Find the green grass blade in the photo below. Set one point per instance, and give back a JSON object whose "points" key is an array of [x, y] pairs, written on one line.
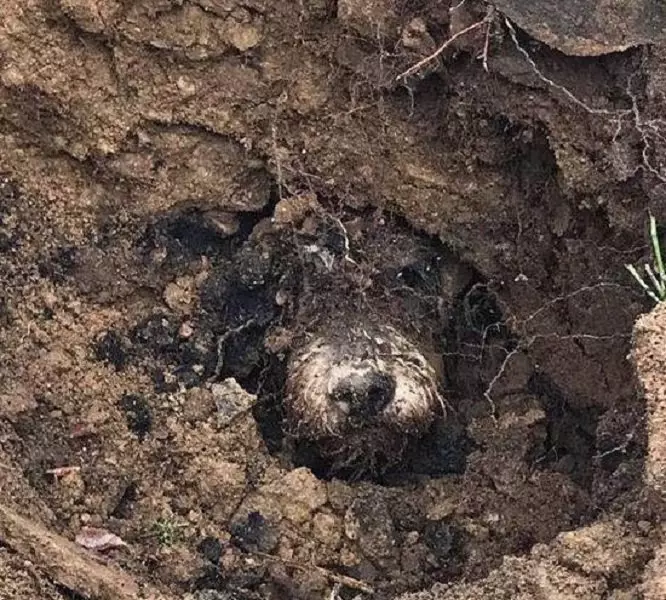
{"points": [[656, 249], [641, 282], [657, 285]]}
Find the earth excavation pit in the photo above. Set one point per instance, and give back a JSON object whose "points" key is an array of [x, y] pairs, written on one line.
{"points": [[326, 299]]}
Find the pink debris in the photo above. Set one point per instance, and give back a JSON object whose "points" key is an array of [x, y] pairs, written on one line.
{"points": [[62, 471], [94, 538], [81, 430]]}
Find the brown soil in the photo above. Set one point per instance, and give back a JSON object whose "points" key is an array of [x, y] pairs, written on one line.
{"points": [[190, 187]]}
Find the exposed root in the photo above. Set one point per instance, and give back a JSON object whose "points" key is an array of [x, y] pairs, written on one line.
{"points": [[339, 580], [431, 57]]}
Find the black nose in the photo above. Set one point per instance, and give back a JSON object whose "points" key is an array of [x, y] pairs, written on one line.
{"points": [[366, 396]]}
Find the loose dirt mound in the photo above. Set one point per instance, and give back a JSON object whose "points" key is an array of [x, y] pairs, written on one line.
{"points": [[190, 187]]}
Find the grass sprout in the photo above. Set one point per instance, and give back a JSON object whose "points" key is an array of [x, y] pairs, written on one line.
{"points": [[653, 283]]}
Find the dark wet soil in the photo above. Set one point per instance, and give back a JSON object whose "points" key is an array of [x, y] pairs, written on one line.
{"points": [[190, 189]]}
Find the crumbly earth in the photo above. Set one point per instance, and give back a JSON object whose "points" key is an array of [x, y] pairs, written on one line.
{"points": [[187, 186]]}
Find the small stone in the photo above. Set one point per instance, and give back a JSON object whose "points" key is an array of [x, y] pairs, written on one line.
{"points": [[186, 330], [231, 400], [243, 36], [186, 86], [49, 299], [179, 295]]}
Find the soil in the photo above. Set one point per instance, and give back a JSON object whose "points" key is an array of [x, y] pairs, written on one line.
{"points": [[190, 188]]}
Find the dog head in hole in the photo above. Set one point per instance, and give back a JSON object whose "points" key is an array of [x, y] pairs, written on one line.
{"points": [[363, 302]]}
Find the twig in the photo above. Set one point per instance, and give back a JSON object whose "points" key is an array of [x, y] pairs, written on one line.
{"points": [[345, 235], [58, 472], [457, 6], [278, 162], [486, 45], [349, 582], [67, 564], [335, 592], [414, 68]]}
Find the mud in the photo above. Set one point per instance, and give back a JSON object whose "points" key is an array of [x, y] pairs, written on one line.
{"points": [[190, 189]]}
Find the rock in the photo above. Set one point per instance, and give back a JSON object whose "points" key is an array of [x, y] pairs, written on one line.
{"points": [[589, 27], [231, 400], [283, 510]]}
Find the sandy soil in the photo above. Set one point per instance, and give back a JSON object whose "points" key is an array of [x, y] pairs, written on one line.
{"points": [[188, 187]]}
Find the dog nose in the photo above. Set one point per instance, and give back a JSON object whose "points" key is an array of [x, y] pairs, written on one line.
{"points": [[365, 397]]}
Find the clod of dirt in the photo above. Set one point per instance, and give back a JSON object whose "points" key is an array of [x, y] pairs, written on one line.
{"points": [[111, 347], [368, 522], [138, 414], [211, 549], [254, 534], [588, 27], [586, 563], [613, 550], [654, 584], [440, 536], [649, 354], [15, 399], [179, 295], [370, 17]]}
